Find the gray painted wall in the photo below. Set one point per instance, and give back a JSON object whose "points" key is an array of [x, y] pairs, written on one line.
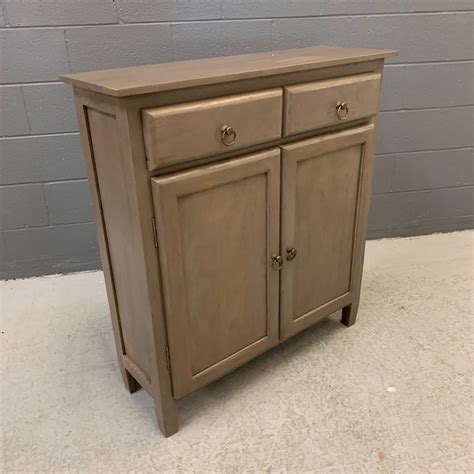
{"points": [[424, 167]]}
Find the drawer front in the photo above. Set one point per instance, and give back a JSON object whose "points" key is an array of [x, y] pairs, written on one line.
{"points": [[178, 133], [324, 103]]}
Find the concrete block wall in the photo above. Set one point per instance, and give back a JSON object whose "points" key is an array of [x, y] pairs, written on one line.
{"points": [[424, 167]]}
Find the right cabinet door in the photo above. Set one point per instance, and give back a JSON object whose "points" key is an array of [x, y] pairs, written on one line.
{"points": [[325, 197]]}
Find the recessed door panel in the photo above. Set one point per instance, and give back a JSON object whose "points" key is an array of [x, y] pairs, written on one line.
{"points": [[321, 195], [218, 227]]}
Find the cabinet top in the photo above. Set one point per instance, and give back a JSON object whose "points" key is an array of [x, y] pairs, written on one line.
{"points": [[178, 75]]}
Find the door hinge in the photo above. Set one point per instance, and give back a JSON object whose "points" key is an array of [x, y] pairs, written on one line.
{"points": [[155, 234], [168, 362]]}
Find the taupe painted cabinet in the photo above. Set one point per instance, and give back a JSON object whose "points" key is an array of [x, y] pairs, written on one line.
{"points": [[231, 199]]}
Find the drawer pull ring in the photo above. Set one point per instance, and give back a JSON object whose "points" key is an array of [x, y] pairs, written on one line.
{"points": [[277, 262], [228, 135], [342, 110], [290, 253]]}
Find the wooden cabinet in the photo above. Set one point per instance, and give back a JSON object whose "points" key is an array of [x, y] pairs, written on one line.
{"points": [[231, 199]]}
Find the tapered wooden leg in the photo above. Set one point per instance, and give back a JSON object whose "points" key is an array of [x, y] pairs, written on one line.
{"points": [[349, 314]]}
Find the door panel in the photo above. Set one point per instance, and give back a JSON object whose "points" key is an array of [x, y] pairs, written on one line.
{"points": [[323, 181], [221, 294]]}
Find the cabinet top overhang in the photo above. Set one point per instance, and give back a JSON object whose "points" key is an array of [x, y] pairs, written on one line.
{"points": [[198, 72]]}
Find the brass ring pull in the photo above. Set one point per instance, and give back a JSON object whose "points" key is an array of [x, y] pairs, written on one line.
{"points": [[228, 135], [342, 110], [277, 262]]}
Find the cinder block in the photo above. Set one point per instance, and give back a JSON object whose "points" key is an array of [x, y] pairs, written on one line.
{"points": [[4, 258], [417, 86], [30, 55], [106, 47], [168, 10], [68, 202], [210, 39], [13, 120], [355, 7], [419, 130], [423, 37], [433, 169], [54, 249], [50, 108], [22, 206], [421, 212], [304, 32], [270, 8], [383, 173], [301, 8], [423, 170], [59, 12], [2, 17], [43, 158]]}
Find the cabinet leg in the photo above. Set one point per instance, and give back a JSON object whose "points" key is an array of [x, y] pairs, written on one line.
{"points": [[167, 416], [130, 383], [349, 314]]}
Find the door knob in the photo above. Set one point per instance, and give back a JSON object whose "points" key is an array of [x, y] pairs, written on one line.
{"points": [[290, 253], [277, 262]]}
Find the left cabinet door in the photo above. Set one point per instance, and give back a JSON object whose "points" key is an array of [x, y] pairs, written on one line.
{"points": [[218, 227]]}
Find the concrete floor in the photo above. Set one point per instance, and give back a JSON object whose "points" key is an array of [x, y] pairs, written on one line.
{"points": [[392, 393]]}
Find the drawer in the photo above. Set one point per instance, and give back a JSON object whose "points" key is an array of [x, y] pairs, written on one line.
{"points": [[323, 103], [178, 133]]}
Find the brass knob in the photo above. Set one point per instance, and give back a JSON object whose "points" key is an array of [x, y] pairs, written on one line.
{"points": [[228, 135], [342, 110], [290, 254], [277, 262]]}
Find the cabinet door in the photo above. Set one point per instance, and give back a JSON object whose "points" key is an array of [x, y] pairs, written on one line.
{"points": [[218, 227], [325, 196]]}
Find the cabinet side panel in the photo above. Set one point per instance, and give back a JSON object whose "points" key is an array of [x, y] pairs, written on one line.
{"points": [[129, 381], [119, 231]]}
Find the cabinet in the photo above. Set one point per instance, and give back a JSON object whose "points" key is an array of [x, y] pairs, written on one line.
{"points": [[231, 198]]}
